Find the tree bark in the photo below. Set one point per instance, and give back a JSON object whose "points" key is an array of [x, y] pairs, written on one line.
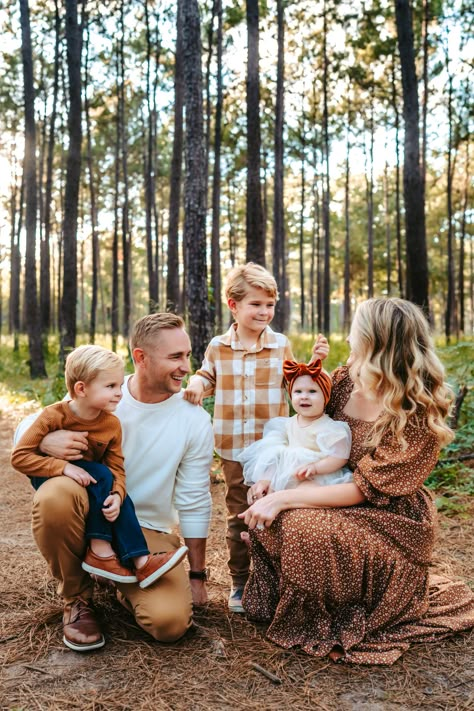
{"points": [[417, 262], [172, 278], [150, 171], [195, 185], [73, 174], [45, 256], [279, 239], [216, 310], [255, 251], [37, 368], [327, 183]]}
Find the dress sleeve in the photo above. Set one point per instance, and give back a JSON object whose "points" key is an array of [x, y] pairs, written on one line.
{"points": [[335, 440], [113, 458], [390, 471]]}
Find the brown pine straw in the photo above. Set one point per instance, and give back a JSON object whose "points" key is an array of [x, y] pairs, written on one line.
{"points": [[213, 667]]}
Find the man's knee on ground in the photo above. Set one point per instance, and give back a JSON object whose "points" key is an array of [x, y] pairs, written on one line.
{"points": [[164, 625]]}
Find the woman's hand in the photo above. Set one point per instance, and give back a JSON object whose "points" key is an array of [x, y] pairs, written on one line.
{"points": [[256, 491], [263, 511]]}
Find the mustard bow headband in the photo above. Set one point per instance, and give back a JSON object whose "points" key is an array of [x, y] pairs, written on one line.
{"points": [[293, 370]]}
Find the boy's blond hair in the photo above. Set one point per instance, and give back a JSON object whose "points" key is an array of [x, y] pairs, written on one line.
{"points": [[249, 276], [147, 328], [84, 364]]}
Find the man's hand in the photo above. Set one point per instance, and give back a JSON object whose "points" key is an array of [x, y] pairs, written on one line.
{"points": [[320, 348], [194, 391], [111, 508], [64, 444], [82, 477], [199, 592]]}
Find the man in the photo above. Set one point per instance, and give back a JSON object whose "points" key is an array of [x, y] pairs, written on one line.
{"points": [[168, 446]]}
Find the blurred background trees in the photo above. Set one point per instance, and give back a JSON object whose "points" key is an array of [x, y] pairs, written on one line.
{"points": [[147, 146]]}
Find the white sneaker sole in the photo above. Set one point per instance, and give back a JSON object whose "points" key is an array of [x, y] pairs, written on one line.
{"points": [[84, 647], [109, 576], [172, 563]]}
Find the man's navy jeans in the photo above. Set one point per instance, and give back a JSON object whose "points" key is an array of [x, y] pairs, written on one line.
{"points": [[124, 533]]}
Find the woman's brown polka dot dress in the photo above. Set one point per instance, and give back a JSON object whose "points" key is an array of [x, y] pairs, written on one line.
{"points": [[356, 578]]}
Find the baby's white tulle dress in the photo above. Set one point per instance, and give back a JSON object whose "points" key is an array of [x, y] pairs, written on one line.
{"points": [[285, 446]]}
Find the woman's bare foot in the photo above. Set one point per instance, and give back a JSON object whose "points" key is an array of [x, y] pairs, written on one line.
{"points": [[244, 536]]}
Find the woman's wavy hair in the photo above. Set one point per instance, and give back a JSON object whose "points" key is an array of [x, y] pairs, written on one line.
{"points": [[394, 355]]}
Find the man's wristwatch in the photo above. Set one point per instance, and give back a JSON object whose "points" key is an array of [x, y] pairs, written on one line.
{"points": [[198, 574]]}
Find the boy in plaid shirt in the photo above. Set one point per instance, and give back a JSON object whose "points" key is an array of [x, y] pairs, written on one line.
{"points": [[243, 369]]}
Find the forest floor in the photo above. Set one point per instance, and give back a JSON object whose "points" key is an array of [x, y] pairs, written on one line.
{"points": [[211, 668]]}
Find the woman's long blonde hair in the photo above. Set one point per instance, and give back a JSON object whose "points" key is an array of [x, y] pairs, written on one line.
{"points": [[394, 357]]}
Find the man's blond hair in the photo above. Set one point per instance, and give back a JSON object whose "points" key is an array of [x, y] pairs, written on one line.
{"points": [[249, 276], [147, 328], [84, 364]]}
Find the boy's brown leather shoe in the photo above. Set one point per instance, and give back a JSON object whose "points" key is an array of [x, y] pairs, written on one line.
{"points": [[81, 629]]}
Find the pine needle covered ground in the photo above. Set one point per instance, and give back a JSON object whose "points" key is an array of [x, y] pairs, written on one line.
{"points": [[212, 667]]}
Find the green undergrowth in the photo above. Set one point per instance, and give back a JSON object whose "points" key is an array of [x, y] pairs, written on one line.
{"points": [[452, 478]]}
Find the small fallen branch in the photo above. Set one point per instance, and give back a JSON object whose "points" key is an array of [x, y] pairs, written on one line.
{"points": [[275, 679]]}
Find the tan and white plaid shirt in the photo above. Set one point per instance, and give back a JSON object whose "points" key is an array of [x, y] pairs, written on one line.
{"points": [[247, 385]]}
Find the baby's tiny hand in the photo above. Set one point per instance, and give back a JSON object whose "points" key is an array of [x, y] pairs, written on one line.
{"points": [[320, 348], [306, 471]]}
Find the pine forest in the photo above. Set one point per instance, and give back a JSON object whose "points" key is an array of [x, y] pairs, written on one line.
{"points": [[147, 146]]}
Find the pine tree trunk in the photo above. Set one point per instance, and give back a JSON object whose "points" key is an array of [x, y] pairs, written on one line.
{"points": [[149, 175], [195, 186], [45, 256], [327, 182], [126, 238], [172, 278], [417, 262], [73, 174], [398, 216], [37, 368], [279, 246], [216, 311], [114, 312], [462, 241], [92, 195], [255, 250], [369, 175], [302, 220], [15, 255], [347, 241], [450, 321]]}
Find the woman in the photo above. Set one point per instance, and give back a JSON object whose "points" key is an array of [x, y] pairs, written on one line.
{"points": [[343, 569]]}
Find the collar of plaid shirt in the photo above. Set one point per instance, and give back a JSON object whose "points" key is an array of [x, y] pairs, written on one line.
{"points": [[266, 339]]}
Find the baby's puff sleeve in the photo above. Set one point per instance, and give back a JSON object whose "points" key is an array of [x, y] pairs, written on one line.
{"points": [[335, 440]]}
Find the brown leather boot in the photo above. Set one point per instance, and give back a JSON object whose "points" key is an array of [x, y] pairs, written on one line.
{"points": [[81, 629]]}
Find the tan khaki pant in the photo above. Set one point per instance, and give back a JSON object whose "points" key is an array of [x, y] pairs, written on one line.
{"points": [[60, 507], [236, 502]]}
